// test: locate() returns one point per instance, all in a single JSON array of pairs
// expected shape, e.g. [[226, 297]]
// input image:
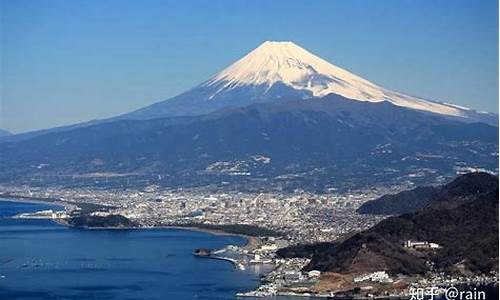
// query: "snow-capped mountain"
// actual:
[[284, 70], [280, 117], [279, 71]]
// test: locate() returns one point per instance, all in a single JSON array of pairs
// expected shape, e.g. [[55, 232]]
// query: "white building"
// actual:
[[313, 274], [421, 245], [269, 247], [379, 276]]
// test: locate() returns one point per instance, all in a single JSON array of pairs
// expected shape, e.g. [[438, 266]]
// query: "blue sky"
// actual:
[[69, 61]]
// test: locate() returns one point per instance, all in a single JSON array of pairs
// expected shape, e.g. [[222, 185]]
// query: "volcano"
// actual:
[[278, 118], [285, 71]]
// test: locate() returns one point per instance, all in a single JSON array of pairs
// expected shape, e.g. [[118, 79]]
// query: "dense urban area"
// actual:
[[300, 217], [270, 221]]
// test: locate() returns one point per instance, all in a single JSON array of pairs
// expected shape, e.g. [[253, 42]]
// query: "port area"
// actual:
[[281, 276], [240, 257], [288, 277]]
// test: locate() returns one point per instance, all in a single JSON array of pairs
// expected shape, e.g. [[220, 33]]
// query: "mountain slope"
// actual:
[[277, 71], [311, 144], [400, 203], [283, 70], [420, 197], [466, 228]]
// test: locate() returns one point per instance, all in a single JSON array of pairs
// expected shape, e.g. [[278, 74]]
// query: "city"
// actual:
[[237, 149], [287, 219]]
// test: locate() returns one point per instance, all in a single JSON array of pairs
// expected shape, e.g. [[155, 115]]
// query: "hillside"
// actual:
[[415, 199], [287, 144], [463, 220], [400, 203]]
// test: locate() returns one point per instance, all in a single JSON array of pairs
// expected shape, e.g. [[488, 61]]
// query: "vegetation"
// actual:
[[400, 203], [420, 197], [305, 250], [462, 218], [244, 229], [89, 221], [334, 135]]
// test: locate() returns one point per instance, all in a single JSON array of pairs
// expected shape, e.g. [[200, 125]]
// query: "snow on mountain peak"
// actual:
[[289, 64]]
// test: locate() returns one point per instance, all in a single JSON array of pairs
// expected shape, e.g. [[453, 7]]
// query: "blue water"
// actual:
[[43, 260]]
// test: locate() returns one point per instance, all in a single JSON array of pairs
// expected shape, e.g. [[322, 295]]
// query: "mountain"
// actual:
[[4, 133], [277, 71], [30, 134], [416, 199], [400, 203], [280, 117], [315, 144], [463, 220], [283, 70]]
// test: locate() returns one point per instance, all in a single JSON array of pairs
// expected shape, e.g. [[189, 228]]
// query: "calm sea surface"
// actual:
[[42, 260]]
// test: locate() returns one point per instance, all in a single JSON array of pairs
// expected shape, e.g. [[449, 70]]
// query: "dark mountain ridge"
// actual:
[[462, 219], [306, 143], [415, 199], [400, 203]]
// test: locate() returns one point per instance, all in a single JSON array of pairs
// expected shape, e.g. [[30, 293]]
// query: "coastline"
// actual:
[[145, 255], [249, 241], [27, 199], [52, 201]]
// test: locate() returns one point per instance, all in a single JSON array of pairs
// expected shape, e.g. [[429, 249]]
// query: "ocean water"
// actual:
[[43, 260]]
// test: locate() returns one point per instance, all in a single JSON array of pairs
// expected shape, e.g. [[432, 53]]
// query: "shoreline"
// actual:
[[52, 201], [171, 253], [248, 240], [27, 199]]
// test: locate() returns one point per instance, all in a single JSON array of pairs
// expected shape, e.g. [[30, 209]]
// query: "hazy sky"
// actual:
[[68, 61]]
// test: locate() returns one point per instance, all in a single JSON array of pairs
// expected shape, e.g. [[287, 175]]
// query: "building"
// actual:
[[420, 245], [379, 276], [292, 276], [313, 274], [268, 248]]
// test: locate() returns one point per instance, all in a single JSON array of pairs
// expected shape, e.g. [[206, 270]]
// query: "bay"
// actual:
[[40, 259]]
